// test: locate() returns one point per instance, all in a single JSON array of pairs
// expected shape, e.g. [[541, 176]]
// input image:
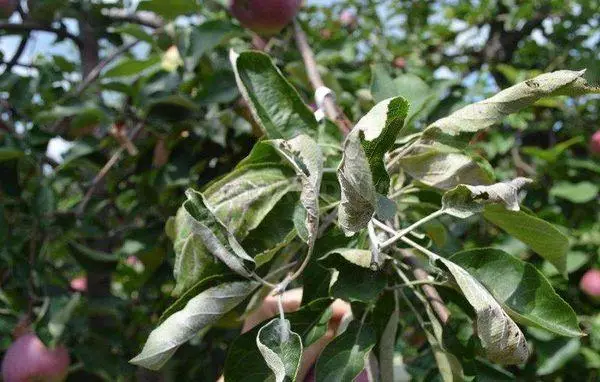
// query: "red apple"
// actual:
[[28, 359], [265, 17], [399, 62], [348, 19], [79, 284], [7, 8], [590, 284], [595, 143]]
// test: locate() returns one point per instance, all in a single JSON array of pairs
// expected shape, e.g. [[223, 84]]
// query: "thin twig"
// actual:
[[20, 49], [420, 274], [29, 26], [437, 304], [145, 18], [102, 173], [332, 110]]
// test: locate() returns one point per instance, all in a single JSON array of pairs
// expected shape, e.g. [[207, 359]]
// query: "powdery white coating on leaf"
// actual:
[[359, 199], [243, 198], [215, 236], [203, 310], [305, 156], [503, 341], [281, 349], [483, 114], [371, 124], [464, 201]]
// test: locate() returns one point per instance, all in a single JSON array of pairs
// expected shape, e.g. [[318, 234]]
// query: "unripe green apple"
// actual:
[[265, 17], [28, 359]]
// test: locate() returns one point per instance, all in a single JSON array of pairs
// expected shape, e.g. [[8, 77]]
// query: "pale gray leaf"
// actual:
[[215, 236], [488, 112], [203, 310], [359, 198], [464, 201], [281, 349], [305, 156], [501, 338]]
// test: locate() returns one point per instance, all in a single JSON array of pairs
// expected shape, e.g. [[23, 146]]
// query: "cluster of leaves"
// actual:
[[412, 172]]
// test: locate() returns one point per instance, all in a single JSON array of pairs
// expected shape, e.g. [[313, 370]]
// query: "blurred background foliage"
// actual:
[[150, 86]]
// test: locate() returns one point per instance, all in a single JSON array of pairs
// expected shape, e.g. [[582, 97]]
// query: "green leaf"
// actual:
[[281, 349], [521, 289], [132, 67], [411, 87], [387, 344], [556, 354], [355, 280], [169, 9], [362, 172], [203, 310], [273, 101], [345, 357], [245, 196], [581, 192], [552, 154], [542, 237], [444, 167], [305, 157], [378, 130], [488, 112], [208, 35], [464, 200], [501, 338], [8, 153], [60, 319], [217, 239]]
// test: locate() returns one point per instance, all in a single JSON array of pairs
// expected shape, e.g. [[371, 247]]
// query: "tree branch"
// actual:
[[148, 19], [20, 49], [332, 110], [29, 26], [102, 173]]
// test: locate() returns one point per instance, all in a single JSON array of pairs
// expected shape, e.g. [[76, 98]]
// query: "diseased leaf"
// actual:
[[355, 280], [542, 237], [521, 289], [464, 200], [244, 361], [193, 262], [488, 112], [215, 236], [444, 167], [243, 198], [281, 349], [378, 130], [359, 198], [345, 357], [362, 172], [273, 101], [203, 310], [501, 338], [304, 155]]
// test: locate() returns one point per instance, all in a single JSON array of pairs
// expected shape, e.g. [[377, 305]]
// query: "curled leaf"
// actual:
[[483, 114], [305, 156], [501, 338], [203, 310], [215, 236], [464, 201], [281, 349]]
